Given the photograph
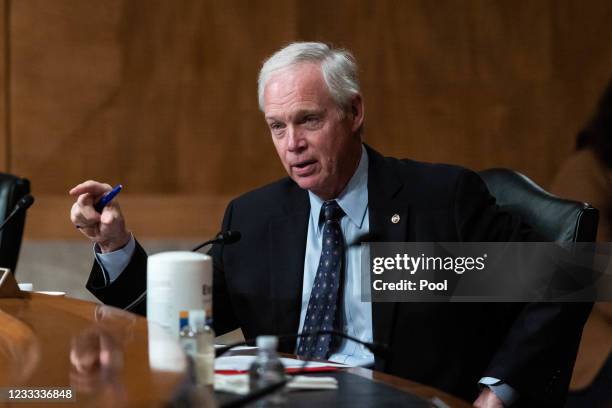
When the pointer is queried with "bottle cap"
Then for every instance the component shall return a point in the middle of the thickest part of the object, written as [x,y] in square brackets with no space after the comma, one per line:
[267,342]
[197,319]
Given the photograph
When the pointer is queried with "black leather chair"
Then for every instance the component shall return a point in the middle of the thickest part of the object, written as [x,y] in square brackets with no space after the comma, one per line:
[555,218]
[12,189]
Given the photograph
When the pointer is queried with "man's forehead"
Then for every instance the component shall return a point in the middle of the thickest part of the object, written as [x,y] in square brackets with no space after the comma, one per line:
[298,88]
[297,73]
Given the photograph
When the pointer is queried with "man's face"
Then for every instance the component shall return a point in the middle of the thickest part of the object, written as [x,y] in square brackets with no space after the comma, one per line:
[317,144]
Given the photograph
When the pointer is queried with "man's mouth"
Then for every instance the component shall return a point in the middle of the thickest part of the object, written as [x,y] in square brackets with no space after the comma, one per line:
[304,168]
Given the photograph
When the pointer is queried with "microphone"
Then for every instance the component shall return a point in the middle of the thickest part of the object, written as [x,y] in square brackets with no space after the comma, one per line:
[23,204]
[376,349]
[225,237]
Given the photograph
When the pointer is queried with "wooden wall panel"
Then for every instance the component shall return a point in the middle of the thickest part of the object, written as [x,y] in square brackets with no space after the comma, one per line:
[4,147]
[161,95]
[468,83]
[142,91]
[157,95]
[582,59]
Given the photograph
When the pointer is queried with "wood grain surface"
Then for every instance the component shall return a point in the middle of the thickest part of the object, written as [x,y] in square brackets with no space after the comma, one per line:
[104,354]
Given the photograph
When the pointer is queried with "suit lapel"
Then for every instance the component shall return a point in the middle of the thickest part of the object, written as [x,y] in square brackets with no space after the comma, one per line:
[384,186]
[287,246]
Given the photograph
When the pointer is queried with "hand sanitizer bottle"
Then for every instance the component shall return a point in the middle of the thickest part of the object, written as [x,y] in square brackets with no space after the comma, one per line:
[198,340]
[267,369]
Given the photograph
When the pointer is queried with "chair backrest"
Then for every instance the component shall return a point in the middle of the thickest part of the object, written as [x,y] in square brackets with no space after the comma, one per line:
[555,218]
[12,189]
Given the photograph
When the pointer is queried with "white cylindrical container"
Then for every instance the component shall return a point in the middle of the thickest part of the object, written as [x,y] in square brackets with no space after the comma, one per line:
[177,282]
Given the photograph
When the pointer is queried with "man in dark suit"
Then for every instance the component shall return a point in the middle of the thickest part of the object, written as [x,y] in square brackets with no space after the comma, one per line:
[288,266]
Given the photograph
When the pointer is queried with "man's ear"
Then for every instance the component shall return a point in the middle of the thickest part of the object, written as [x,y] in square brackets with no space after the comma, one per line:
[357,112]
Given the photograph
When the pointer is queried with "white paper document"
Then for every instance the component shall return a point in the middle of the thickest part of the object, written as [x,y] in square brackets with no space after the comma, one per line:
[242,363]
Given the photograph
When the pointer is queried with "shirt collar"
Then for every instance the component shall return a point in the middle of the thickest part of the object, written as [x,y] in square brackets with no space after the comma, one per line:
[354,198]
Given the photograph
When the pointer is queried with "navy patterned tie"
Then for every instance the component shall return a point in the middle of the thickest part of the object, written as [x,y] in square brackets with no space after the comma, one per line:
[323,303]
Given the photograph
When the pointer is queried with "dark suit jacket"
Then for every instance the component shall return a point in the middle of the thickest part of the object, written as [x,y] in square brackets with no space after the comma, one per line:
[258,283]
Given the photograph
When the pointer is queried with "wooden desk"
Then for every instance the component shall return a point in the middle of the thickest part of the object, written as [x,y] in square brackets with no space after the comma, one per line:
[105,354]
[423,391]
[114,358]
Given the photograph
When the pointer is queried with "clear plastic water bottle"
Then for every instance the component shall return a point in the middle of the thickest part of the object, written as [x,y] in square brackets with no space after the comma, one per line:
[197,340]
[267,369]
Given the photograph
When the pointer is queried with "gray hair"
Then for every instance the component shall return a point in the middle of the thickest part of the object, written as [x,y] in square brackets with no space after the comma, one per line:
[337,65]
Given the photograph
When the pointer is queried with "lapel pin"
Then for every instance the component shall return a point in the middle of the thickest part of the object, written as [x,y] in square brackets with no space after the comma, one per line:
[395,219]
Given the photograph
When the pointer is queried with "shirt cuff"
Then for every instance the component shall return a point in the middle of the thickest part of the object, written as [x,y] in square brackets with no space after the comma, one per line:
[503,391]
[113,263]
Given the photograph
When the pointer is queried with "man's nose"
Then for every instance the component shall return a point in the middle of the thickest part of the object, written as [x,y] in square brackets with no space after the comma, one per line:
[296,140]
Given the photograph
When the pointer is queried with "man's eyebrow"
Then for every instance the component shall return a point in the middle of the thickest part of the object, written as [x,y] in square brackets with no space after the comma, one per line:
[297,114]
[304,112]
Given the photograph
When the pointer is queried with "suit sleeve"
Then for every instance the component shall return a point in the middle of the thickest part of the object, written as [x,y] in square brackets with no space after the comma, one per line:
[128,291]
[537,356]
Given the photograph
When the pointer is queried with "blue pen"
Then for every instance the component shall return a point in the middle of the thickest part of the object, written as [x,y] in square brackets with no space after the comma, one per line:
[107,198]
